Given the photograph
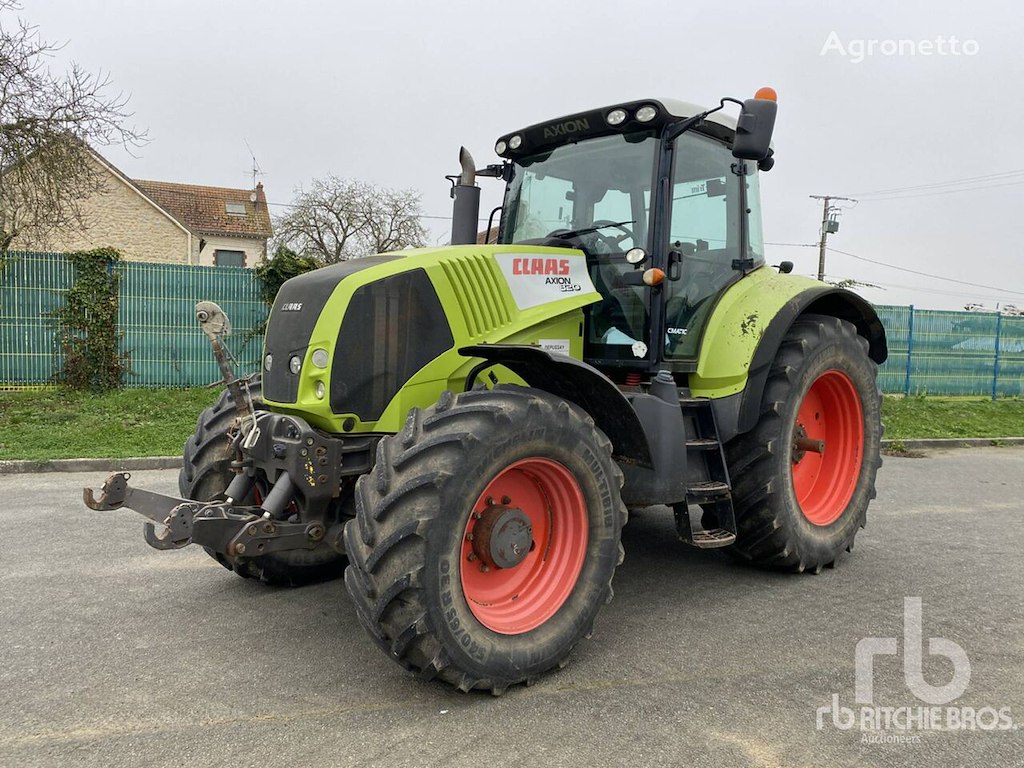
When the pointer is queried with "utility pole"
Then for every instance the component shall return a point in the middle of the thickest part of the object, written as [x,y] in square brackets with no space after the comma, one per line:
[829,226]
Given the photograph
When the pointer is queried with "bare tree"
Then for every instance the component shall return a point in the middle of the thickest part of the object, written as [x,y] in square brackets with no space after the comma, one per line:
[338,219]
[47,121]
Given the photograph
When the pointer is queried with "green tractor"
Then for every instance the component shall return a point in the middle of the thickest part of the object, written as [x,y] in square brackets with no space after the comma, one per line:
[462,430]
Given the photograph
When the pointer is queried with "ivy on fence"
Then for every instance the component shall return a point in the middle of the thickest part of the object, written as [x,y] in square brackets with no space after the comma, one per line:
[87,329]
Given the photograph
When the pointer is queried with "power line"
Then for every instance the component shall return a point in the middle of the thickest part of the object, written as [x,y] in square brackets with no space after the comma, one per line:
[936,291]
[927,274]
[951,182]
[946,192]
[418,216]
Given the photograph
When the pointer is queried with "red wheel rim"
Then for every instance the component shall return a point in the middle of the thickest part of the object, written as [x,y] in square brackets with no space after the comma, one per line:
[824,482]
[517,599]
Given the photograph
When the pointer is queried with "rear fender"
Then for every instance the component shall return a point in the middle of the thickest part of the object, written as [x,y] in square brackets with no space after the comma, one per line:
[746,329]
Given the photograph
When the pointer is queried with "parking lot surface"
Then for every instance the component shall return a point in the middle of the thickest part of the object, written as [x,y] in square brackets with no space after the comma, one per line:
[114,654]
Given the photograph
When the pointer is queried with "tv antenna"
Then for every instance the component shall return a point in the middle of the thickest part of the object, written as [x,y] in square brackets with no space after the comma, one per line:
[256,171]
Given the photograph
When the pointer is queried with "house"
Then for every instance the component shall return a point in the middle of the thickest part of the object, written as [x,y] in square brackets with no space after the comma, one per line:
[167,222]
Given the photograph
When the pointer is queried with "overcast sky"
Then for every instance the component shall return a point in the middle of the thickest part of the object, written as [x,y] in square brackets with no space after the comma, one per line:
[387,91]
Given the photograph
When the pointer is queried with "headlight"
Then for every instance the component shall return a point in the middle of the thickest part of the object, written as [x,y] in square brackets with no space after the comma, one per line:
[267,362]
[646,113]
[500,147]
[320,358]
[515,142]
[295,364]
[321,390]
[616,117]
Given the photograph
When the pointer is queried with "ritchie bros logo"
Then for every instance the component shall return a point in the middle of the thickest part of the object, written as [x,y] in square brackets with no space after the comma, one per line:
[878,723]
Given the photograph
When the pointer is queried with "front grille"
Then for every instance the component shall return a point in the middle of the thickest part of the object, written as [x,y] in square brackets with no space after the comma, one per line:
[392,328]
[297,308]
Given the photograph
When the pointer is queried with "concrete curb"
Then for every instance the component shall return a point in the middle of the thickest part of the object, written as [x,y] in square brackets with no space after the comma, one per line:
[90,465]
[955,442]
[174,462]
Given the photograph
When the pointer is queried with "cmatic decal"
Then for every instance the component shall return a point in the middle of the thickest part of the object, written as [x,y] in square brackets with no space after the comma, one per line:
[536,280]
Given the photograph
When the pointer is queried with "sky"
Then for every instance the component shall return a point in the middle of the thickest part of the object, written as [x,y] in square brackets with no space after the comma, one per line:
[387,91]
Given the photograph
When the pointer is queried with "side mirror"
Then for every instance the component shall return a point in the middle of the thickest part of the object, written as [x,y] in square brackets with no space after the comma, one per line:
[755,125]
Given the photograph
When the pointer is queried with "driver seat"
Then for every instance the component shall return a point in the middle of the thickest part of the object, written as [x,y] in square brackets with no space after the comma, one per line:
[629,297]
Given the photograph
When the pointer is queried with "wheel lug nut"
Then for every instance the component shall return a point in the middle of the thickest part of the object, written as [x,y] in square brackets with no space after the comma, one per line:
[477,515]
[471,556]
[484,568]
[489,501]
[506,500]
[469,537]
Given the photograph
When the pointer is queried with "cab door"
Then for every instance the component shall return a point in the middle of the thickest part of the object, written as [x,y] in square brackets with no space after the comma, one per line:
[704,237]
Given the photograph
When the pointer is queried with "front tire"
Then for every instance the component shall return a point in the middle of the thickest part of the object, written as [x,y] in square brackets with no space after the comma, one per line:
[205,475]
[799,509]
[486,537]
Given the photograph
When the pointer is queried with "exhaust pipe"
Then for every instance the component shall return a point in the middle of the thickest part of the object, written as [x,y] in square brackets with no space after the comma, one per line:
[466,209]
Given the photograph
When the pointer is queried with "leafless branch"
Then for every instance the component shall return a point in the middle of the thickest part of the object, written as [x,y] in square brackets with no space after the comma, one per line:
[338,219]
[47,121]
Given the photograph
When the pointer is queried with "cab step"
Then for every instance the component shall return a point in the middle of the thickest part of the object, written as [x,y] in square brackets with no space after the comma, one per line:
[702,538]
[710,487]
[712,539]
[707,491]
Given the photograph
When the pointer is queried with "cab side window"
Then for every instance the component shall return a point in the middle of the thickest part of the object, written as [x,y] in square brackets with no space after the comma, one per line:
[704,237]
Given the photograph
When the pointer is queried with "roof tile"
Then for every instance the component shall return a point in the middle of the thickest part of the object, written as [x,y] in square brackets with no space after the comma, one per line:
[203,209]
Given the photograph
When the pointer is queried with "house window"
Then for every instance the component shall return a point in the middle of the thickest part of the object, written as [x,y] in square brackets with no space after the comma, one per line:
[235,209]
[229,258]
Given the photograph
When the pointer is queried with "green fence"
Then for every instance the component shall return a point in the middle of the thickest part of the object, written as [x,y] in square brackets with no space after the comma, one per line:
[156,318]
[937,352]
[931,351]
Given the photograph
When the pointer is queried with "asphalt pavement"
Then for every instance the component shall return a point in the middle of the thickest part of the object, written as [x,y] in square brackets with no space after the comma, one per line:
[113,654]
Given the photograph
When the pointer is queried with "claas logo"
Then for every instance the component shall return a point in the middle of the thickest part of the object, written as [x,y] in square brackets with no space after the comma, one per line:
[525,266]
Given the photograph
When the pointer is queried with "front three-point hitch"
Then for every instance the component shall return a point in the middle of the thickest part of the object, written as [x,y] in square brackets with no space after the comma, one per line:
[221,526]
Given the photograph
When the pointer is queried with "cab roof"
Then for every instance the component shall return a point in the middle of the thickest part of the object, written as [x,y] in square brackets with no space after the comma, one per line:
[595,122]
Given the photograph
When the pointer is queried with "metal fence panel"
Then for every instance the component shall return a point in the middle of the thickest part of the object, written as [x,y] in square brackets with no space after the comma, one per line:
[32,286]
[156,317]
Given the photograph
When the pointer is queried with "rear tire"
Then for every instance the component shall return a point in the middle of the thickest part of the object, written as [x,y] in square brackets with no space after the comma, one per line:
[798,510]
[418,585]
[205,475]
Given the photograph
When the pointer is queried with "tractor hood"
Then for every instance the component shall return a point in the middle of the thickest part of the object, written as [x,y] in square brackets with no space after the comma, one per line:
[296,310]
[346,341]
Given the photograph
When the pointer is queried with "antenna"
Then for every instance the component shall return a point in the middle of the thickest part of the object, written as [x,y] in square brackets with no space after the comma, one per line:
[256,169]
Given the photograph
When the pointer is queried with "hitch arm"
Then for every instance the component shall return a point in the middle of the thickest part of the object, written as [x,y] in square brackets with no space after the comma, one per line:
[116,493]
[174,514]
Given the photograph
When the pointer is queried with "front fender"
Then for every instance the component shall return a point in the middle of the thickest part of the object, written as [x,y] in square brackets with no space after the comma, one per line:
[577,382]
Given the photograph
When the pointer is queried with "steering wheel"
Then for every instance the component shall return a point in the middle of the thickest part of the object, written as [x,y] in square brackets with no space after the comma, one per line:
[612,242]
[592,232]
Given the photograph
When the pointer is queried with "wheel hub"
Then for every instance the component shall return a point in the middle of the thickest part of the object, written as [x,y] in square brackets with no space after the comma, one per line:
[502,536]
[802,444]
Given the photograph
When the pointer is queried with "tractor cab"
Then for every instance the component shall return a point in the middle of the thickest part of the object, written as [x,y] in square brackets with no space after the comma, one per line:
[668,216]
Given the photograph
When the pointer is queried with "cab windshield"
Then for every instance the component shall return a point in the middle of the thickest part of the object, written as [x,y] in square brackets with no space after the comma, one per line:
[594,195]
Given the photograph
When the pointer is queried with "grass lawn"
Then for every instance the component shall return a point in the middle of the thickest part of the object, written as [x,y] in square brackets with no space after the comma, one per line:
[910,417]
[60,424]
